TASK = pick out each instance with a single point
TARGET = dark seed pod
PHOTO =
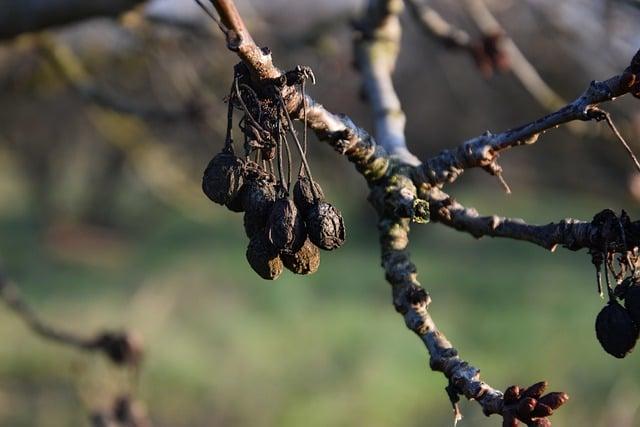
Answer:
(304, 261)
(632, 303)
(285, 228)
(303, 195)
(222, 178)
(615, 330)
(264, 258)
(325, 226)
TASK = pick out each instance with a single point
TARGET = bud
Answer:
(554, 400)
(632, 303)
(525, 407)
(512, 394)
(222, 178)
(121, 347)
(304, 261)
(615, 330)
(535, 390)
(303, 195)
(285, 228)
(541, 410)
(325, 226)
(263, 258)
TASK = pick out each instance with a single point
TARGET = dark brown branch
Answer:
(22, 16)
(483, 150)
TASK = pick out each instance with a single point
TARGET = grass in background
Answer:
(228, 349)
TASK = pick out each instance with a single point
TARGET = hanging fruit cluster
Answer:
(618, 323)
(286, 225)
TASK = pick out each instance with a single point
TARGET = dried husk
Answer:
(304, 261)
(222, 178)
(264, 258)
(285, 227)
(303, 195)
(615, 330)
(632, 303)
(325, 226)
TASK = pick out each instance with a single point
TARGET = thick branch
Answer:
(22, 16)
(483, 150)
(376, 48)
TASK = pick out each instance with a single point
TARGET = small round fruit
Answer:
(223, 178)
(264, 258)
(304, 261)
(325, 226)
(615, 330)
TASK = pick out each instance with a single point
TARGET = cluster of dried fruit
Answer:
(618, 326)
(530, 406)
(282, 232)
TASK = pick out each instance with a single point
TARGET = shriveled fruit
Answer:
(264, 258)
(325, 226)
(258, 196)
(632, 303)
(303, 195)
(285, 228)
(304, 261)
(223, 177)
(615, 330)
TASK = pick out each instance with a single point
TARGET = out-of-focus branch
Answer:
(524, 71)
(483, 151)
(121, 348)
(434, 25)
(22, 16)
(376, 48)
(72, 70)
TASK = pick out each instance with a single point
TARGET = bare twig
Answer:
(484, 150)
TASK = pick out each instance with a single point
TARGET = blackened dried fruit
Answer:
(255, 222)
(223, 177)
(264, 258)
(285, 228)
(325, 226)
(304, 261)
(303, 195)
(632, 303)
(615, 330)
(258, 196)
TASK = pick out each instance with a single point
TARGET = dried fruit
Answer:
(303, 195)
(255, 222)
(632, 303)
(223, 177)
(304, 261)
(615, 330)
(258, 195)
(264, 258)
(325, 226)
(285, 227)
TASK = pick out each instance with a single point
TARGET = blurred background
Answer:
(105, 127)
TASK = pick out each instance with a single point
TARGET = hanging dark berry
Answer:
(223, 177)
(632, 303)
(325, 226)
(615, 330)
(264, 258)
(304, 196)
(304, 261)
(285, 228)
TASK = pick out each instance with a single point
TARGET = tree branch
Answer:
(22, 16)
(483, 151)
(377, 45)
